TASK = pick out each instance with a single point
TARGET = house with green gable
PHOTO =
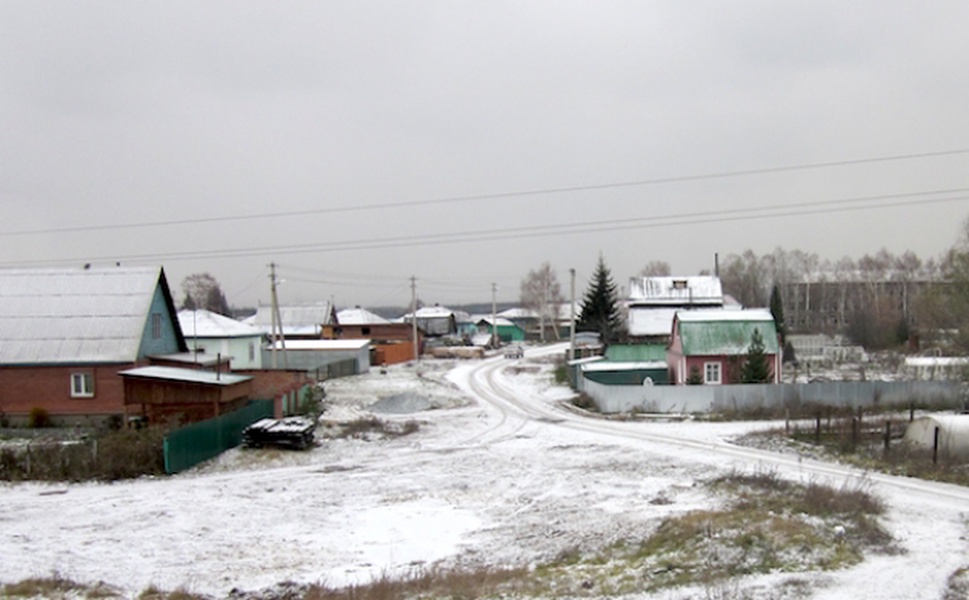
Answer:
(711, 346)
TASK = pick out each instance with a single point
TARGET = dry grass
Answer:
(769, 525)
(367, 427)
(57, 587)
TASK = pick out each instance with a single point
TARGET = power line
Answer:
(695, 218)
(492, 196)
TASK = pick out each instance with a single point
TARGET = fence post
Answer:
(817, 429)
(935, 447)
(888, 433)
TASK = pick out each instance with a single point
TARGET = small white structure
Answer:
(215, 334)
(953, 432)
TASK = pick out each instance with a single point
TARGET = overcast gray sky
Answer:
(357, 144)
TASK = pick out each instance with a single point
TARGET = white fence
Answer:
(710, 398)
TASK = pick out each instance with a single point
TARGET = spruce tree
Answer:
(777, 311)
(756, 367)
(600, 306)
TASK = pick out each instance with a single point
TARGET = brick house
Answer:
(65, 334)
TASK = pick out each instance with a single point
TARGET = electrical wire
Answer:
(492, 196)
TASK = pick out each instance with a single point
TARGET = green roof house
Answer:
(712, 345)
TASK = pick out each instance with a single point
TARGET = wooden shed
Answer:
(184, 395)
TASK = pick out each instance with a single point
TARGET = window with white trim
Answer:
(82, 385)
(711, 373)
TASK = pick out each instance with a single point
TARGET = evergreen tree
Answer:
(695, 377)
(600, 306)
(777, 311)
(756, 367)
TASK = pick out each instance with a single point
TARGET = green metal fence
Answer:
(187, 446)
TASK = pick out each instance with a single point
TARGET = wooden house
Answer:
(714, 343)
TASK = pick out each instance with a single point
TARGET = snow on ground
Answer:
(480, 482)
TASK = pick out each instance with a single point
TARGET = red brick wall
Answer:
(23, 388)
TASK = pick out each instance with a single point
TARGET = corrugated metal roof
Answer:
(186, 375)
(697, 289)
(53, 316)
(636, 352)
(725, 332)
(297, 319)
(207, 324)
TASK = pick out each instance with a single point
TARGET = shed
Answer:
(314, 355)
(626, 373)
(158, 393)
(953, 434)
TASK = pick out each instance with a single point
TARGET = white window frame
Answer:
(82, 385)
(708, 368)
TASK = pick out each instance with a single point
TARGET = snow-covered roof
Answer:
(185, 375)
(297, 319)
(431, 312)
(79, 315)
(321, 345)
(207, 324)
(936, 361)
(359, 316)
(518, 313)
(499, 321)
(748, 314)
(676, 291)
(605, 365)
(725, 332)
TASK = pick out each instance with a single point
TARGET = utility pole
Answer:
(413, 314)
(494, 317)
(277, 321)
(572, 318)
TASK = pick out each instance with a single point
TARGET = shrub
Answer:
(39, 417)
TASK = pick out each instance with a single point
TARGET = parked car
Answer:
(515, 351)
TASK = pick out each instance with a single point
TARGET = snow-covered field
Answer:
(498, 473)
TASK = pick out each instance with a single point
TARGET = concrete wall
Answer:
(707, 398)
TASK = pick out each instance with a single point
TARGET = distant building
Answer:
(309, 321)
(215, 335)
(654, 301)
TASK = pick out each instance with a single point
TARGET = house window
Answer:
(252, 351)
(156, 326)
(711, 373)
(365, 330)
(82, 385)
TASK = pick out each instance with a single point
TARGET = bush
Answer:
(38, 418)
